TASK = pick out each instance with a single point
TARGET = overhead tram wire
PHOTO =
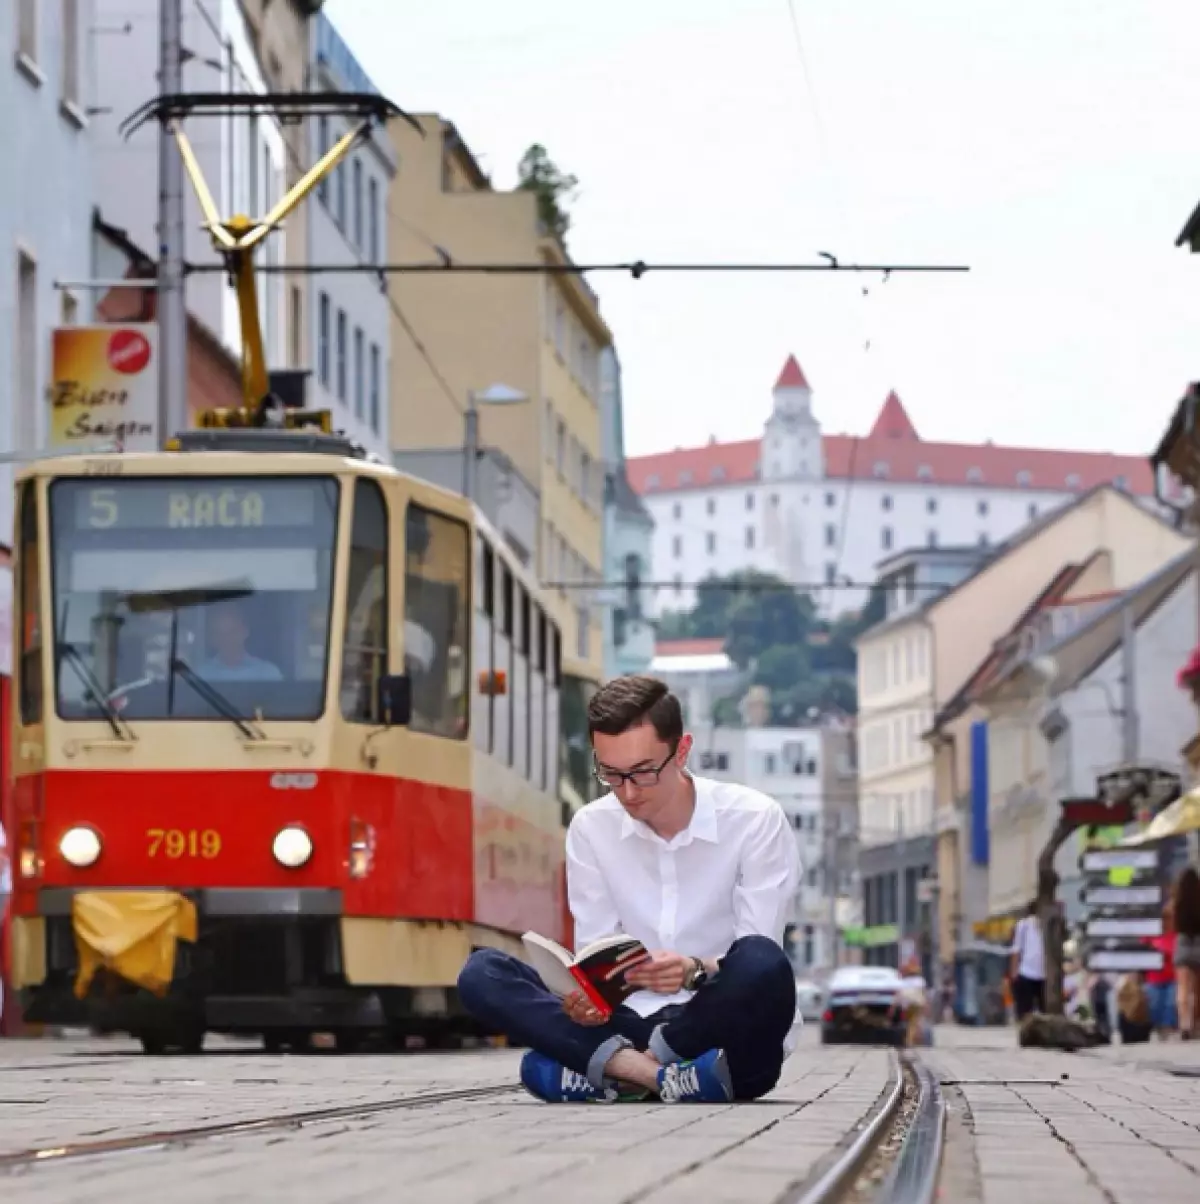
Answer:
(750, 587)
(635, 268)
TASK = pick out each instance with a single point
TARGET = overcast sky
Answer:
(1051, 145)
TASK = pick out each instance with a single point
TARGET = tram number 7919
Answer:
(176, 843)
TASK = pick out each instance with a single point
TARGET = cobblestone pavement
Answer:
(457, 1152)
(1108, 1125)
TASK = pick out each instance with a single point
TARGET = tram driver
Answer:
(229, 631)
(702, 873)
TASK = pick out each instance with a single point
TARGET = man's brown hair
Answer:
(626, 702)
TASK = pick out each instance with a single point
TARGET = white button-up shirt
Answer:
(732, 872)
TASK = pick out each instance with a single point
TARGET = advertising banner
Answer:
(104, 388)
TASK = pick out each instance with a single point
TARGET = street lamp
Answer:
(493, 395)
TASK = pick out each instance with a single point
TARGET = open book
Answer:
(598, 969)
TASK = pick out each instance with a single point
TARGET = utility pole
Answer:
(470, 448)
(1129, 716)
(172, 312)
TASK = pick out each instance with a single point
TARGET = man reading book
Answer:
(702, 873)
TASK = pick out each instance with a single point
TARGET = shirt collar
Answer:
(702, 826)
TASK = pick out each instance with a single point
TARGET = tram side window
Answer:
(520, 680)
(31, 607)
(437, 621)
(485, 609)
(364, 641)
(537, 700)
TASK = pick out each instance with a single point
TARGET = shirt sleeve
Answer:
(591, 902)
(767, 878)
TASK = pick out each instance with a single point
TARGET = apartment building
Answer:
(454, 336)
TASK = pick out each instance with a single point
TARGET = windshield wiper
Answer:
(214, 698)
(95, 691)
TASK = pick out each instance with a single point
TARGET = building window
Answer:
(830, 572)
(750, 537)
(341, 355)
(437, 601)
(678, 584)
(585, 477)
(560, 448)
(360, 374)
(1073, 480)
(717, 474)
(830, 499)
(364, 640)
(931, 538)
(685, 477)
(931, 505)
(885, 538)
(1121, 482)
(886, 501)
(375, 382)
(830, 535)
(774, 499)
(70, 49)
(983, 539)
(981, 508)
(653, 481)
(749, 501)
(27, 29)
(70, 308)
(677, 511)
(1033, 511)
(712, 505)
(322, 147)
(357, 200)
(339, 195)
(711, 541)
(924, 472)
(373, 220)
(677, 546)
(323, 339)
(880, 469)
(974, 475)
(1024, 478)
(297, 331)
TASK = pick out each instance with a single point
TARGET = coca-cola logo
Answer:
(128, 352)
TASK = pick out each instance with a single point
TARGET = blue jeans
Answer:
(1161, 998)
(746, 1010)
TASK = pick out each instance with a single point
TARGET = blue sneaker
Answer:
(702, 1080)
(555, 1083)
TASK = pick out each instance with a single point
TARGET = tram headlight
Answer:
(80, 847)
(292, 847)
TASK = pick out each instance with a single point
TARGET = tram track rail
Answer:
(190, 1135)
(894, 1155)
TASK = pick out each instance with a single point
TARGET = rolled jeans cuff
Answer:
(660, 1049)
(598, 1060)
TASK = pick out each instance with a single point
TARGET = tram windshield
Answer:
(192, 597)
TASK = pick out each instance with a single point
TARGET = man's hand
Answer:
(581, 1010)
(664, 972)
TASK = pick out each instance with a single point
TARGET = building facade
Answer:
(46, 199)
(350, 316)
(628, 540)
(453, 336)
(243, 159)
(823, 509)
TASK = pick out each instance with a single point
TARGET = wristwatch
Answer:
(697, 976)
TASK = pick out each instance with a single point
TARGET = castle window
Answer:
(881, 468)
(1073, 481)
(1024, 478)
(975, 474)
(685, 478)
(924, 472)
(717, 474)
(652, 482)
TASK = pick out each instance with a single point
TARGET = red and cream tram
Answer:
(291, 736)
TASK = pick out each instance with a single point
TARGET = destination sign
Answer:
(197, 503)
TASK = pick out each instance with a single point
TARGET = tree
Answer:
(538, 174)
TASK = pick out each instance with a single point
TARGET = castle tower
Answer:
(791, 447)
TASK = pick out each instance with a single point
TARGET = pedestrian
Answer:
(1186, 901)
(1161, 987)
(1028, 965)
(703, 873)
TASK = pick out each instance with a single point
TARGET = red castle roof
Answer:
(893, 451)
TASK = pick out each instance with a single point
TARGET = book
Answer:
(598, 970)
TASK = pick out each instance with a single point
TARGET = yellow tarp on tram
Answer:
(132, 934)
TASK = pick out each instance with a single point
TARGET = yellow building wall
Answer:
(454, 334)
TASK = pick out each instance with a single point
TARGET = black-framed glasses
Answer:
(615, 778)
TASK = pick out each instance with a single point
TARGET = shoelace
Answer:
(679, 1081)
(572, 1080)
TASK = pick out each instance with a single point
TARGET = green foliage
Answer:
(538, 174)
